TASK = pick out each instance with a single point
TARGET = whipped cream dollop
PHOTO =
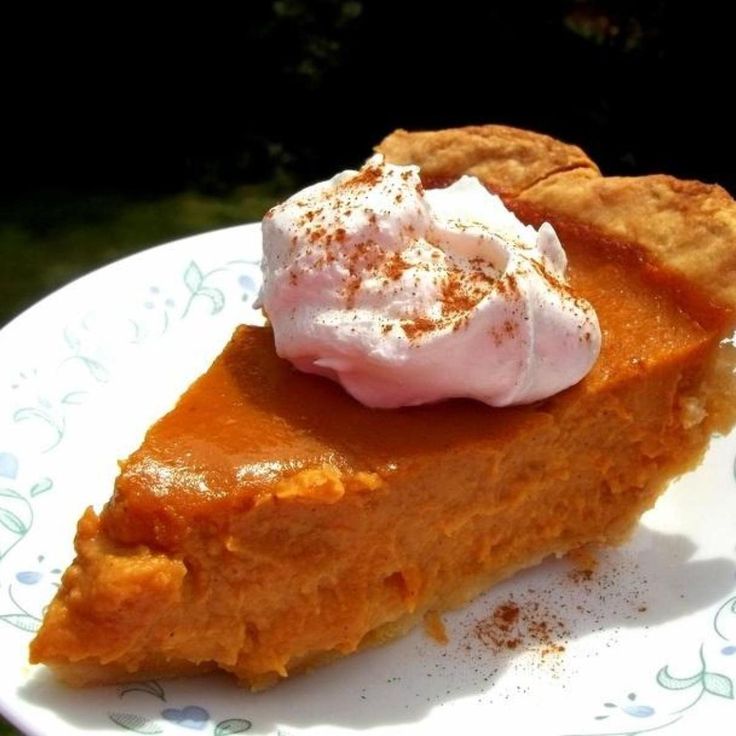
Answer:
(407, 296)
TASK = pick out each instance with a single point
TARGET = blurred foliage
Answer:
(308, 86)
(310, 34)
(50, 240)
(6, 729)
(174, 125)
(621, 25)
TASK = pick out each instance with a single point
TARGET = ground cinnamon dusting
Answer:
(351, 289)
(580, 575)
(460, 293)
(529, 625)
(415, 327)
(461, 286)
(395, 266)
(368, 176)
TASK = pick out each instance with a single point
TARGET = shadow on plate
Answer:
(651, 581)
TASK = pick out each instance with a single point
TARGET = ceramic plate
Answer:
(648, 643)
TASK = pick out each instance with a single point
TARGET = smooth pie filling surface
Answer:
(270, 522)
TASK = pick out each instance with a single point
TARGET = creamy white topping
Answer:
(407, 296)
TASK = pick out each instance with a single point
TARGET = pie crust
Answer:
(269, 523)
(685, 226)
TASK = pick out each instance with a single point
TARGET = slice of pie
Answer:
(270, 522)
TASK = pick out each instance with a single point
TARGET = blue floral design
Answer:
(632, 709)
(196, 282)
(51, 412)
(16, 508)
(634, 717)
(21, 617)
(704, 682)
(8, 465)
(28, 577)
(192, 717)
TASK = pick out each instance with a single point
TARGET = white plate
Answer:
(650, 641)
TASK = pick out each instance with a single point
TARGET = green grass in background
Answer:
(47, 241)
(6, 729)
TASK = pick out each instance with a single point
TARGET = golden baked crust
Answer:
(269, 523)
(686, 226)
(508, 160)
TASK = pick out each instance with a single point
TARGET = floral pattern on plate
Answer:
(637, 673)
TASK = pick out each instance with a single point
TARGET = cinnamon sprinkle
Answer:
(351, 289)
(462, 290)
(369, 176)
(530, 625)
(419, 326)
(553, 281)
(462, 284)
(395, 266)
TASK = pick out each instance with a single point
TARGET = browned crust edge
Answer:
(685, 226)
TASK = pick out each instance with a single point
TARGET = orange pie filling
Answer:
(271, 522)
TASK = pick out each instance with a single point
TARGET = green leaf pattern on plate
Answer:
(49, 413)
(152, 687)
(717, 684)
(196, 281)
(12, 522)
(16, 515)
(43, 485)
(16, 519)
(232, 726)
(703, 682)
(189, 716)
(135, 723)
(676, 683)
(22, 621)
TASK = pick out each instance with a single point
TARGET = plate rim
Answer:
(11, 324)
(12, 710)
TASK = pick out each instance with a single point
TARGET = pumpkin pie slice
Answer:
(270, 523)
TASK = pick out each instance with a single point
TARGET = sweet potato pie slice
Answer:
(270, 522)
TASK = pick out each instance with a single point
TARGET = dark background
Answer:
(123, 128)
(309, 87)
(130, 129)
